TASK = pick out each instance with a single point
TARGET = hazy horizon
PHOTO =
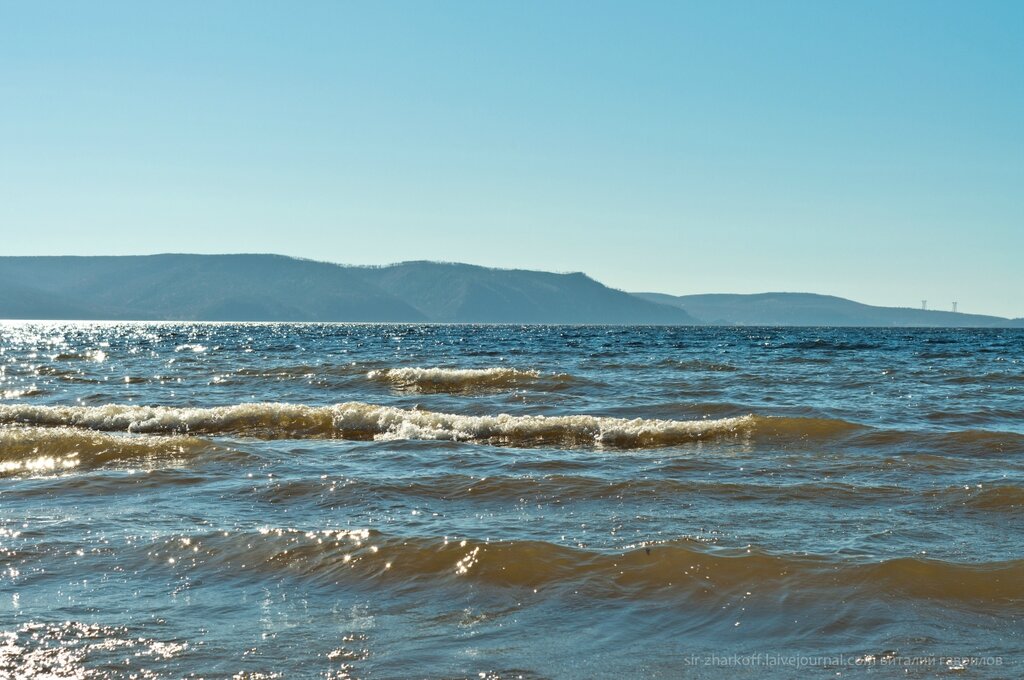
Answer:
(870, 151)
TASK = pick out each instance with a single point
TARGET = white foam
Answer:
(356, 420)
(394, 423)
(453, 379)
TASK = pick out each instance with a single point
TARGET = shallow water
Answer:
(399, 501)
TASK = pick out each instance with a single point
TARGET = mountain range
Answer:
(279, 288)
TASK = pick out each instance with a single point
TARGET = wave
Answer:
(413, 378)
(830, 345)
(806, 428)
(561, 487)
(35, 450)
(303, 371)
(370, 422)
(982, 415)
(987, 498)
(458, 380)
(97, 355)
(32, 391)
(360, 421)
(954, 442)
(681, 567)
(987, 379)
(571, 488)
(696, 365)
(65, 375)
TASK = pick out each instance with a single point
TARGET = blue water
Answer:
(403, 501)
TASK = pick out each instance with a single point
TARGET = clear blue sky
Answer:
(873, 150)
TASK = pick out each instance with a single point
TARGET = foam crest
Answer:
(579, 430)
(361, 421)
(439, 379)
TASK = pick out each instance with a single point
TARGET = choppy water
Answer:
(395, 501)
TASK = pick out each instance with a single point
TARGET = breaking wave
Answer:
(371, 422)
(360, 421)
(458, 380)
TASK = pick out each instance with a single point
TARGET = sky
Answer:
(873, 150)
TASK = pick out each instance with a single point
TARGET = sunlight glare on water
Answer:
(390, 501)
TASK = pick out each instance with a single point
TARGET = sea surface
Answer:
(186, 500)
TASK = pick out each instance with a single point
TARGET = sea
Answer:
(208, 500)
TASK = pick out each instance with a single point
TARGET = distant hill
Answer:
(468, 293)
(808, 309)
(18, 301)
(194, 287)
(277, 288)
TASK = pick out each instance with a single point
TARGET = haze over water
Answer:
(398, 501)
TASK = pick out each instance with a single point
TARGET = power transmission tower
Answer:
(954, 307)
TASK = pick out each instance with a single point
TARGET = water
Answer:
(401, 501)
